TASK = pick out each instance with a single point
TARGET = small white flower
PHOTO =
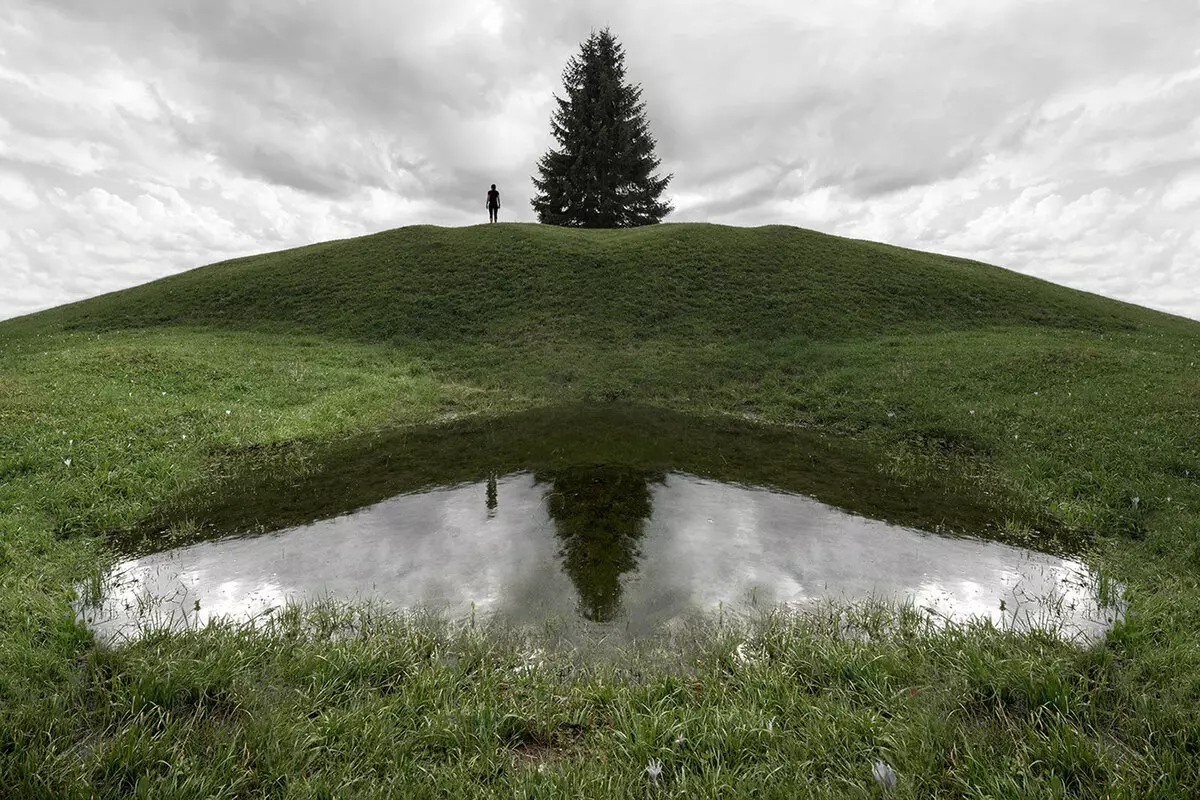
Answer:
(771, 726)
(972, 411)
(67, 461)
(1136, 500)
(680, 741)
(185, 436)
(891, 413)
(164, 394)
(884, 775)
(227, 411)
(1035, 394)
(654, 769)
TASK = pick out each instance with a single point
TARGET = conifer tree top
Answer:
(601, 173)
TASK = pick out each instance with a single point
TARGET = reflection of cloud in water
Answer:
(705, 543)
(443, 550)
(714, 543)
(163, 590)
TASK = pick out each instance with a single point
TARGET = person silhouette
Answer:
(493, 204)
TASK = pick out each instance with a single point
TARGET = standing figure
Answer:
(493, 204)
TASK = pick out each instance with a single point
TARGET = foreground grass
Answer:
(338, 702)
(1086, 409)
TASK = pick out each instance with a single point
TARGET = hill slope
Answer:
(693, 282)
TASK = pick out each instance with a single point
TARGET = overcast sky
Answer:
(1060, 138)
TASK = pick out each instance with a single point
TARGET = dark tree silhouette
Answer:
(600, 177)
(599, 513)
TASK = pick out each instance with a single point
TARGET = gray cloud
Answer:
(138, 138)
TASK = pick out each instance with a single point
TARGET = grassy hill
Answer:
(691, 282)
(1083, 410)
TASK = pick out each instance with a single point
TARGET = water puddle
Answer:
(624, 517)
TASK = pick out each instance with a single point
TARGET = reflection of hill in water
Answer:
(599, 513)
(263, 491)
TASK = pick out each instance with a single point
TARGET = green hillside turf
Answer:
(1076, 409)
(689, 282)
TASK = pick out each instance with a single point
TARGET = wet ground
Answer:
(624, 516)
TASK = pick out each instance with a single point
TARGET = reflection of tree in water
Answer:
(492, 501)
(600, 513)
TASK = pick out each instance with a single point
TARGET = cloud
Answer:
(140, 138)
(16, 192)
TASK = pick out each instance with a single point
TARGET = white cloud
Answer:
(16, 192)
(1183, 192)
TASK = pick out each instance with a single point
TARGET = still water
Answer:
(621, 544)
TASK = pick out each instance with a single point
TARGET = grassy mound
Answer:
(1084, 410)
(689, 282)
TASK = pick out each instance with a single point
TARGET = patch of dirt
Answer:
(536, 753)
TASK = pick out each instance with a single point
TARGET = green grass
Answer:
(1081, 404)
(530, 285)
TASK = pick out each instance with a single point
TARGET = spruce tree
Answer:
(600, 176)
